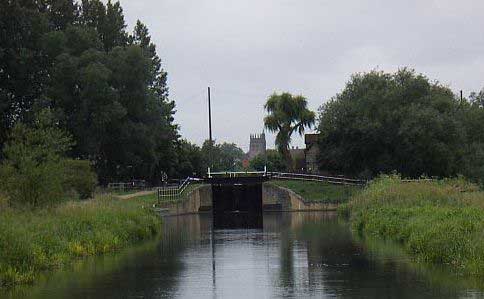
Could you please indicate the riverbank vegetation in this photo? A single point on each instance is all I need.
(32, 241)
(438, 222)
(46, 219)
(318, 191)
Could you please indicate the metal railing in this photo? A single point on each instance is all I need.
(171, 193)
(235, 174)
(316, 178)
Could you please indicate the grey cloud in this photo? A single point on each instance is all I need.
(245, 50)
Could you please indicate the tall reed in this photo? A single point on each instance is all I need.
(34, 241)
(436, 221)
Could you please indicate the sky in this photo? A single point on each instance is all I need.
(247, 49)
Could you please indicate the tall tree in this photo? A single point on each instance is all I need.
(222, 157)
(113, 32)
(23, 67)
(472, 116)
(287, 114)
(61, 13)
(106, 88)
(189, 160)
(382, 122)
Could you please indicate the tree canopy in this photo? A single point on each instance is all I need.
(383, 122)
(287, 114)
(273, 160)
(222, 156)
(105, 86)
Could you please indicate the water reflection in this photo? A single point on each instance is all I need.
(295, 255)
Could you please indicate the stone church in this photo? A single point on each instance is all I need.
(257, 145)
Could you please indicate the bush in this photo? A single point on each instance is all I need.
(31, 184)
(79, 177)
(32, 173)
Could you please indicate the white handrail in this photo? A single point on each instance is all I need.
(320, 178)
(316, 176)
(174, 191)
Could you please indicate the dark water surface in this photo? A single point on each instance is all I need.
(295, 255)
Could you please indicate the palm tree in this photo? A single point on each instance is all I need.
(287, 114)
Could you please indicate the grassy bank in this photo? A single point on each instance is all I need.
(438, 222)
(318, 191)
(35, 241)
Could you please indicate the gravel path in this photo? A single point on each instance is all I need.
(128, 196)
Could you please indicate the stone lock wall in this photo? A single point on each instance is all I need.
(274, 198)
(199, 200)
(282, 199)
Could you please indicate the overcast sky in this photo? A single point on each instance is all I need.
(247, 49)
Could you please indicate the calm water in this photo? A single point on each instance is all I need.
(295, 255)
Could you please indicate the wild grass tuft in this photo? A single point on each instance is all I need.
(436, 221)
(34, 241)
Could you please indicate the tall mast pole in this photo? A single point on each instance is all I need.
(209, 118)
(210, 129)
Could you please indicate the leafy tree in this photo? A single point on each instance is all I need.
(61, 13)
(22, 63)
(189, 160)
(224, 157)
(477, 99)
(272, 159)
(32, 173)
(472, 115)
(79, 177)
(287, 114)
(113, 32)
(106, 88)
(382, 122)
(112, 95)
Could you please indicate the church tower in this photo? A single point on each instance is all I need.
(257, 145)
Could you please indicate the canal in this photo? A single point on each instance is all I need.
(294, 255)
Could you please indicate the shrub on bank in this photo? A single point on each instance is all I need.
(436, 221)
(33, 241)
(36, 172)
(32, 173)
(79, 177)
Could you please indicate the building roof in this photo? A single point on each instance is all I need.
(311, 138)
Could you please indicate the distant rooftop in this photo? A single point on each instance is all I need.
(311, 138)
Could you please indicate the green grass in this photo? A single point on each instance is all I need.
(440, 222)
(318, 191)
(34, 241)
